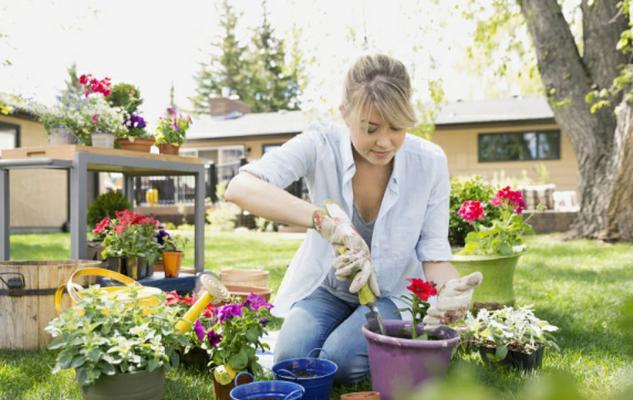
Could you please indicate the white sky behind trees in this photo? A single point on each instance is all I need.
(154, 43)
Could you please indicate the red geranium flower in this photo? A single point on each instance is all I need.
(471, 210)
(422, 289)
(513, 198)
(172, 298)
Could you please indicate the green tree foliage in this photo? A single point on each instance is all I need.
(264, 73)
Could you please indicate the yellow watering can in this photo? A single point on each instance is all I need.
(214, 292)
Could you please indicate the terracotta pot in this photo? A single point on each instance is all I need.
(244, 277)
(158, 266)
(243, 291)
(171, 263)
(169, 149)
(143, 145)
(361, 396)
(222, 392)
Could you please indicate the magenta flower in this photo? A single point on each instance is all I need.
(229, 311)
(472, 210)
(255, 302)
(214, 338)
(199, 329)
(513, 198)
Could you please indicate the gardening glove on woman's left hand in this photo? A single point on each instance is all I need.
(359, 266)
(453, 300)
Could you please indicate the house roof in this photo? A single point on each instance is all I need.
(253, 124)
(455, 113)
(494, 110)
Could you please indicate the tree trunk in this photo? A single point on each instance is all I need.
(602, 142)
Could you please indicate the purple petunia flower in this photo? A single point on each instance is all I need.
(229, 311)
(175, 126)
(263, 321)
(255, 302)
(161, 236)
(214, 338)
(199, 329)
(171, 111)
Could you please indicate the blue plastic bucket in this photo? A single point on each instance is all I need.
(316, 375)
(266, 390)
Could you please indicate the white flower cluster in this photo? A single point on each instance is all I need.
(517, 329)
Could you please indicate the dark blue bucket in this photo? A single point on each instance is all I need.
(316, 375)
(266, 390)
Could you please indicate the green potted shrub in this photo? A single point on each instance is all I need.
(494, 246)
(171, 130)
(512, 336)
(118, 349)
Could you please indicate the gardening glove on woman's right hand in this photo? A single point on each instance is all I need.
(453, 300)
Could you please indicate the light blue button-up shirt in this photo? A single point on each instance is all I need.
(412, 223)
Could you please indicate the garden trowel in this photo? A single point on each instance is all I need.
(365, 295)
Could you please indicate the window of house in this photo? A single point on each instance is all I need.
(9, 136)
(270, 147)
(519, 146)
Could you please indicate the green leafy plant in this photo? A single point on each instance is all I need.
(106, 205)
(172, 127)
(125, 96)
(223, 216)
(502, 235)
(103, 335)
(469, 189)
(516, 329)
(239, 328)
(175, 243)
(129, 235)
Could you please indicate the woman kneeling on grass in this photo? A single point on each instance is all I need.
(394, 186)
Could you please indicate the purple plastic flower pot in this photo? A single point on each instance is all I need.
(398, 364)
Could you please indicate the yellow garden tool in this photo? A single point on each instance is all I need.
(214, 292)
(365, 295)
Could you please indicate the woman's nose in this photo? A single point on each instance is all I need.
(383, 140)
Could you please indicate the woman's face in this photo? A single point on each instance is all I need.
(374, 140)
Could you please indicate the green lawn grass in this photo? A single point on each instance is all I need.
(578, 285)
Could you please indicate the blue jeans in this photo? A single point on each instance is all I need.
(323, 320)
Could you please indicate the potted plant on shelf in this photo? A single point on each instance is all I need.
(98, 122)
(130, 240)
(233, 340)
(134, 137)
(118, 349)
(493, 248)
(408, 354)
(512, 336)
(104, 205)
(171, 130)
(173, 251)
(57, 122)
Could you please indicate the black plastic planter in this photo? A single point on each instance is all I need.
(116, 264)
(515, 359)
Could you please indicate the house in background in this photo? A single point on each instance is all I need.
(504, 138)
(38, 197)
(497, 139)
